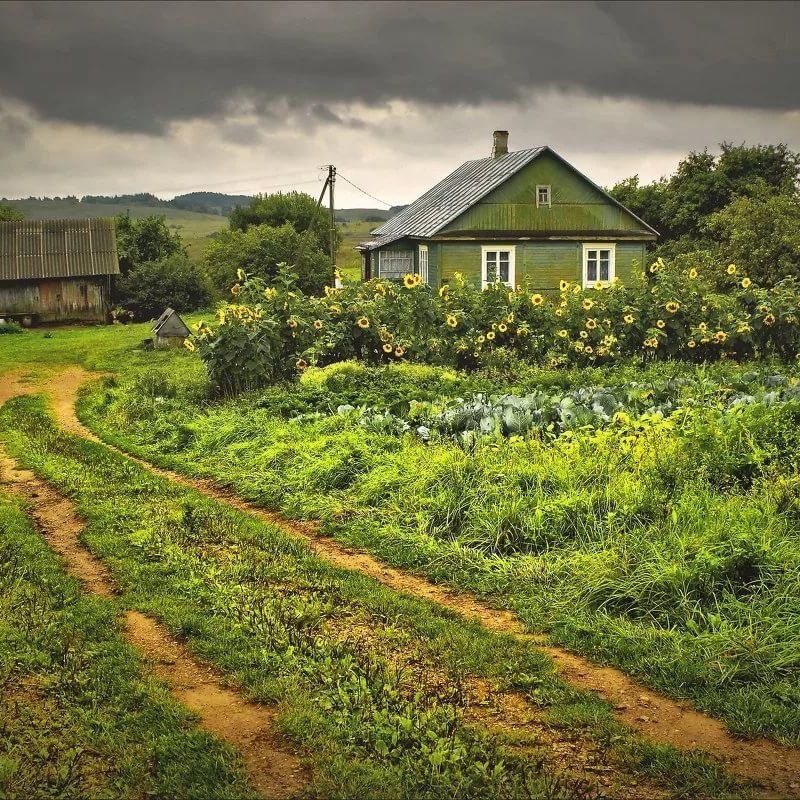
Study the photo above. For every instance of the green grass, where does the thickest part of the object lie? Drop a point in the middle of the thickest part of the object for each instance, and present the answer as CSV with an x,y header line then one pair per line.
x,y
377,687
671,552
79,717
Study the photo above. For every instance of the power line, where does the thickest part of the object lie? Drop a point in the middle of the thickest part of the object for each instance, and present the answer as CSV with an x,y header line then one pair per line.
x,y
371,196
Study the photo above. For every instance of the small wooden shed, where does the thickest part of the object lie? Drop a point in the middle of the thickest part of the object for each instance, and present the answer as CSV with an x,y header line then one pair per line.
x,y
57,270
170,330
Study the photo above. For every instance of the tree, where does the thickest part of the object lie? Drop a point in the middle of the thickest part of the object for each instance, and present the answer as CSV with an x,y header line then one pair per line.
x,y
296,208
258,251
9,213
148,288
702,185
760,234
145,239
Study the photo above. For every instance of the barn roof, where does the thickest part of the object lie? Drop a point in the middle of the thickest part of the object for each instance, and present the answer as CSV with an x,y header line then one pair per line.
x,y
57,248
459,191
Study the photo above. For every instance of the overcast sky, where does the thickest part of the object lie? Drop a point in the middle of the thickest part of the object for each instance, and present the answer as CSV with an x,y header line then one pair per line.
x,y
105,98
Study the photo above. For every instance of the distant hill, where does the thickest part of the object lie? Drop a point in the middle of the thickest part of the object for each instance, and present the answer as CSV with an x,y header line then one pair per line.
x,y
210,202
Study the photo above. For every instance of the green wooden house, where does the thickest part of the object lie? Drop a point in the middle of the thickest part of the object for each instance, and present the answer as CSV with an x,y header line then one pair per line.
x,y
524,218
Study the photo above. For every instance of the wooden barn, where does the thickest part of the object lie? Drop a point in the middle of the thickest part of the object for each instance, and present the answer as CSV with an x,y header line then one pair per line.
x,y
524,217
57,270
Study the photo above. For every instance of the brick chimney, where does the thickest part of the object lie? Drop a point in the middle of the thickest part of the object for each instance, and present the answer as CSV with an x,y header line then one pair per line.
x,y
499,143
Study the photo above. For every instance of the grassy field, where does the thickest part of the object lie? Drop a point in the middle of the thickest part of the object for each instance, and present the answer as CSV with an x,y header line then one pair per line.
x,y
79,715
348,259
385,695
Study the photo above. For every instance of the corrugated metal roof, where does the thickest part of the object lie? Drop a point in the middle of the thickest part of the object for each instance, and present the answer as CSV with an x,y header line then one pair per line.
x,y
460,190
452,196
57,248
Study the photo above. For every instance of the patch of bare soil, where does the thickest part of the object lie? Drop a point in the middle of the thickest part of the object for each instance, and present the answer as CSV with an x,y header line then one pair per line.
x,y
273,769
774,767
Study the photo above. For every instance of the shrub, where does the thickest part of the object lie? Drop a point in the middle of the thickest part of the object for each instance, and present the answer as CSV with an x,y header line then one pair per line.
x,y
173,282
697,313
11,327
259,250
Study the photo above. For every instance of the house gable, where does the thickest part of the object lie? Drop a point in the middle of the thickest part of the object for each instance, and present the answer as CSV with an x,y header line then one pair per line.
x,y
577,207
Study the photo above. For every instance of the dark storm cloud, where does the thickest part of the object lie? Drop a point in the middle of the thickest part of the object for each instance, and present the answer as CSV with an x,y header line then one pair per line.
x,y
133,66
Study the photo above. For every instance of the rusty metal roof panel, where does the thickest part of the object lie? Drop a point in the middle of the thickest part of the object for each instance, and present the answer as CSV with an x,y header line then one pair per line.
x,y
452,196
57,248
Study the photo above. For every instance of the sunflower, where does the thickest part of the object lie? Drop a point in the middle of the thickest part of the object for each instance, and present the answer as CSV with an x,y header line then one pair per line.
x,y
563,333
672,306
587,304
591,324
490,336
743,328
563,286
301,363
692,273
588,349
731,269
720,337
291,322
559,312
654,268
702,326
318,324
240,274
769,319
270,294
399,351
522,331
510,317
452,321
628,319
335,309
409,281
746,283
537,299
417,279
660,323
330,291
189,345
362,322
578,346
691,343
235,289
481,339
444,290
387,348
502,327
583,335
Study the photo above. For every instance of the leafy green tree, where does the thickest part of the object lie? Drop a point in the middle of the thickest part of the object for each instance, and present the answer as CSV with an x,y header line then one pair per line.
x,y
9,213
703,184
760,234
258,250
145,239
175,281
297,208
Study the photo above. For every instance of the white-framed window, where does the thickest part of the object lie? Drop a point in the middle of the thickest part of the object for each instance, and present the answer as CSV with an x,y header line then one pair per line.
x,y
497,264
423,262
598,264
542,196
394,264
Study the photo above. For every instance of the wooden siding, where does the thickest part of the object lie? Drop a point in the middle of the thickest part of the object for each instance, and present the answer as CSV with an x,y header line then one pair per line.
x,y
59,300
576,205
542,265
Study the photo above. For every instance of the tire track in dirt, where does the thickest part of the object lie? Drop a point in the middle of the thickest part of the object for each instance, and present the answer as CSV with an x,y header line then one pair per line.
x,y
272,769
774,767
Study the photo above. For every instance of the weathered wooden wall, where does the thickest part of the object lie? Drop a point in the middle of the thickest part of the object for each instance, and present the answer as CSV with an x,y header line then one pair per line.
x,y
58,300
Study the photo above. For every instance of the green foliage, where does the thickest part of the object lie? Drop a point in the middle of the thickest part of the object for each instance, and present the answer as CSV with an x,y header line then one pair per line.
x,y
298,209
10,214
11,327
678,207
662,539
259,250
143,240
761,233
174,281
704,312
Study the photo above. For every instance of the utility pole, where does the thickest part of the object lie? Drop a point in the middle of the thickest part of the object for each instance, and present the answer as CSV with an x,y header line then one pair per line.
x,y
331,181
